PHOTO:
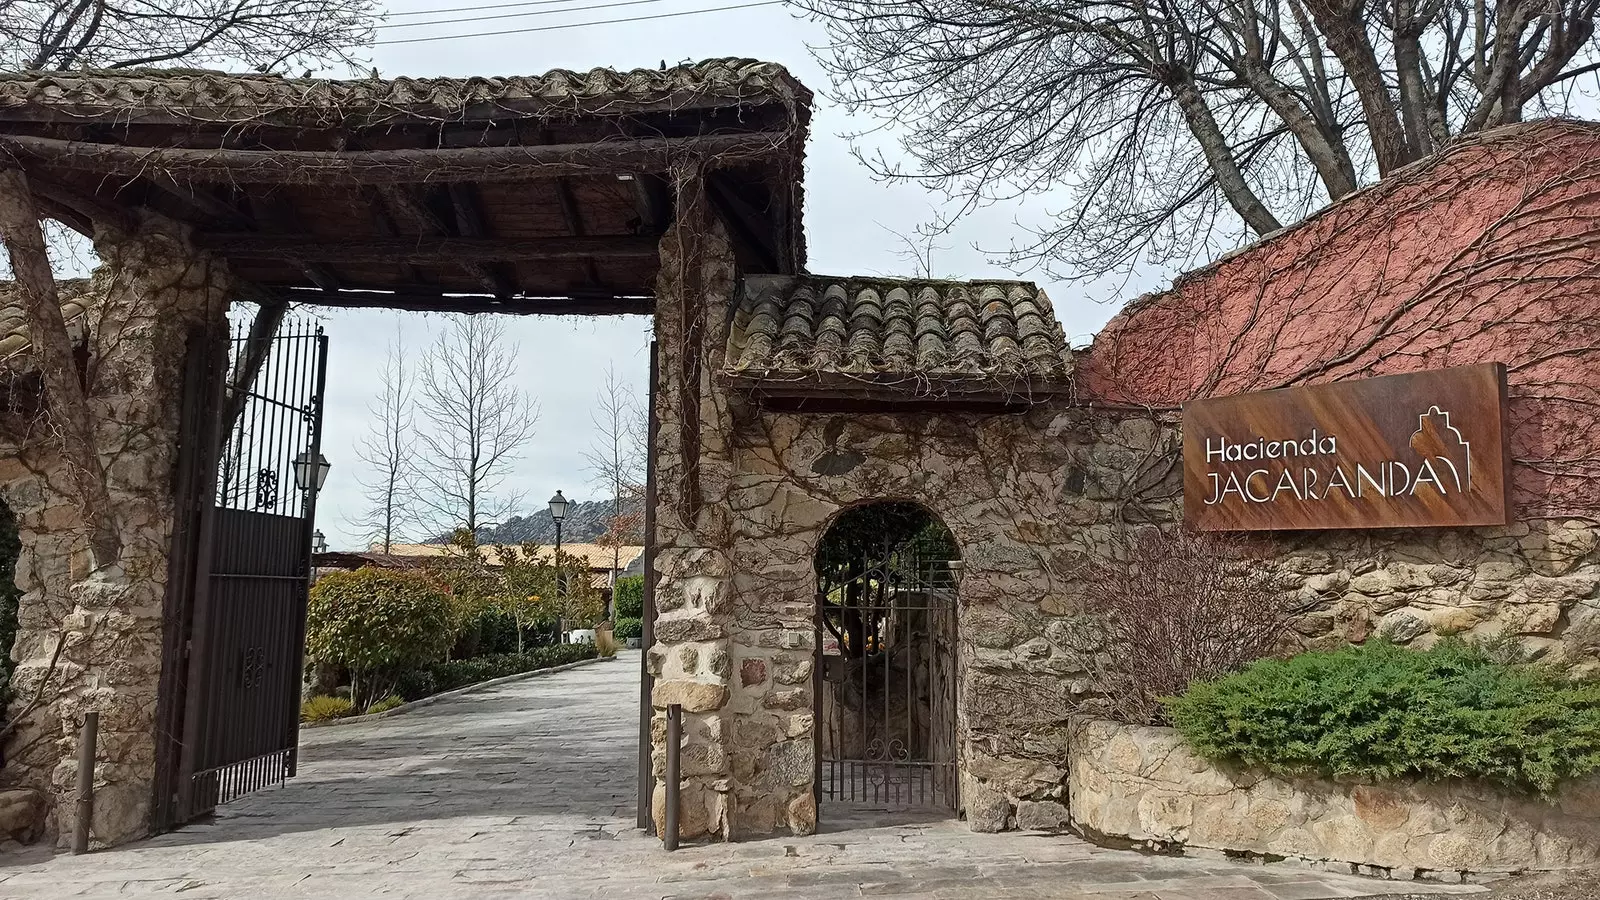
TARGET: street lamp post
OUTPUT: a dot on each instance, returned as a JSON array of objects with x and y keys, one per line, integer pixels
[{"x": 558, "y": 513}]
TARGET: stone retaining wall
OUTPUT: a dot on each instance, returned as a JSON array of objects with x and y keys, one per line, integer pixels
[{"x": 1144, "y": 785}]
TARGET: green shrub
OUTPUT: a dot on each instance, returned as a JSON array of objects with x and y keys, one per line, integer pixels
[
  {"x": 628, "y": 629},
  {"x": 462, "y": 672},
  {"x": 414, "y": 684},
  {"x": 386, "y": 704},
  {"x": 627, "y": 597},
  {"x": 323, "y": 709},
  {"x": 377, "y": 623},
  {"x": 1381, "y": 711}
]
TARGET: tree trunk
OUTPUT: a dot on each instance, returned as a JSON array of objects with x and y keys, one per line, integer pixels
[
  {"x": 1203, "y": 125},
  {"x": 1347, "y": 38},
  {"x": 1326, "y": 151},
  {"x": 52, "y": 351}
]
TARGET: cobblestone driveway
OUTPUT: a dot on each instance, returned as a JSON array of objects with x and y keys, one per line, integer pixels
[{"x": 526, "y": 791}]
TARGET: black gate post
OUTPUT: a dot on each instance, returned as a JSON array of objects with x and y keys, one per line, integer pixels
[
  {"x": 314, "y": 456},
  {"x": 647, "y": 637}
]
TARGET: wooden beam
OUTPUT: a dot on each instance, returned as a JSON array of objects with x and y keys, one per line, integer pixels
[
  {"x": 383, "y": 222},
  {"x": 652, "y": 198},
  {"x": 275, "y": 216},
  {"x": 89, "y": 210},
  {"x": 471, "y": 223},
  {"x": 744, "y": 221},
  {"x": 419, "y": 301},
  {"x": 404, "y": 202},
  {"x": 51, "y": 350},
  {"x": 408, "y": 166},
  {"x": 201, "y": 201},
  {"x": 433, "y": 250}
]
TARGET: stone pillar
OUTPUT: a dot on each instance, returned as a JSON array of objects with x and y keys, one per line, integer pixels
[
  {"x": 691, "y": 658},
  {"x": 92, "y": 639}
]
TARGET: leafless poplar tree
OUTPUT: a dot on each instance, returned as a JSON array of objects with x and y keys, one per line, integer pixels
[
  {"x": 267, "y": 35},
  {"x": 1180, "y": 128},
  {"x": 616, "y": 459},
  {"x": 389, "y": 451},
  {"x": 478, "y": 421}
]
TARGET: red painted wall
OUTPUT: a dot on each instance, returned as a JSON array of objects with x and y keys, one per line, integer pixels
[{"x": 1488, "y": 253}]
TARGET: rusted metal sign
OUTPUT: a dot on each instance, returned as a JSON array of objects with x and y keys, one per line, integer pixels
[{"x": 1398, "y": 451}]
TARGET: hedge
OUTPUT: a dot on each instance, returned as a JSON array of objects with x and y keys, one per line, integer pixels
[
  {"x": 1380, "y": 711},
  {"x": 447, "y": 676},
  {"x": 627, "y": 597},
  {"x": 627, "y": 629}
]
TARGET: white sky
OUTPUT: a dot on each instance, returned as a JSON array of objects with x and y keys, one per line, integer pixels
[{"x": 850, "y": 225}]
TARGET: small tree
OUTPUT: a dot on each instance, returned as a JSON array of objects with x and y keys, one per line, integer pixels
[
  {"x": 1167, "y": 608},
  {"x": 377, "y": 623},
  {"x": 390, "y": 453},
  {"x": 617, "y": 462},
  {"x": 527, "y": 591}
]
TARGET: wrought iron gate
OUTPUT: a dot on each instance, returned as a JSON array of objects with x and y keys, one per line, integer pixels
[
  {"x": 885, "y": 691},
  {"x": 233, "y": 697}
]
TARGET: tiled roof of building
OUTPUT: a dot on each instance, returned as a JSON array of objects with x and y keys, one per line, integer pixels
[
  {"x": 595, "y": 556},
  {"x": 203, "y": 95},
  {"x": 14, "y": 341},
  {"x": 999, "y": 333}
]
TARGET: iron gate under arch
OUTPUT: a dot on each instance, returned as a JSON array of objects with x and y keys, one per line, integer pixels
[
  {"x": 241, "y": 568},
  {"x": 885, "y": 688}
]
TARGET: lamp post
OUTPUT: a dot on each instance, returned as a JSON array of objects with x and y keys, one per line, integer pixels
[
  {"x": 319, "y": 542},
  {"x": 558, "y": 512}
]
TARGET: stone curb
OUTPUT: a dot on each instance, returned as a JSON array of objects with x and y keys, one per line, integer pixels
[{"x": 454, "y": 692}]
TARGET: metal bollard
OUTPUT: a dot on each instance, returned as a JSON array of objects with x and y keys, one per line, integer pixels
[
  {"x": 86, "y": 753},
  {"x": 674, "y": 745}
]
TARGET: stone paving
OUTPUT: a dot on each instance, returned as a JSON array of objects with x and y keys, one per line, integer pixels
[{"x": 526, "y": 790}]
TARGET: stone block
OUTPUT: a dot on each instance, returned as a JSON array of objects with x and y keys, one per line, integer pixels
[
  {"x": 1042, "y": 815},
  {"x": 803, "y": 814},
  {"x": 752, "y": 672},
  {"x": 988, "y": 810},
  {"x": 22, "y": 814},
  {"x": 693, "y": 696},
  {"x": 682, "y": 629}
]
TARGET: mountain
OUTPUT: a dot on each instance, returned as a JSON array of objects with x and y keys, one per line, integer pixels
[{"x": 585, "y": 522}]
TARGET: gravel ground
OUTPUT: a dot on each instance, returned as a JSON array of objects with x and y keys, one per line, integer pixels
[{"x": 1583, "y": 885}]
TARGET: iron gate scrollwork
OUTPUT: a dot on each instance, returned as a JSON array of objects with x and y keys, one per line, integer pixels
[
  {"x": 886, "y": 686},
  {"x": 233, "y": 700}
]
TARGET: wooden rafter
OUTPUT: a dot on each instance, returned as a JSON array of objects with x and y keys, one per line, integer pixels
[
  {"x": 275, "y": 216},
  {"x": 471, "y": 223},
  {"x": 430, "y": 250},
  {"x": 405, "y": 166},
  {"x": 419, "y": 301},
  {"x": 409, "y": 208}
]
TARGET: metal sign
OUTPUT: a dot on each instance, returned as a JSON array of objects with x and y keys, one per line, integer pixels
[{"x": 1398, "y": 451}]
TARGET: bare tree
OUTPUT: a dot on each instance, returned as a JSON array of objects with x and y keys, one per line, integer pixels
[
  {"x": 267, "y": 35},
  {"x": 478, "y": 421},
  {"x": 389, "y": 451},
  {"x": 616, "y": 460},
  {"x": 1180, "y": 128}
]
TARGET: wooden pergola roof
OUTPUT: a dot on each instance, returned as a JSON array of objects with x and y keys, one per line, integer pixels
[{"x": 541, "y": 194}]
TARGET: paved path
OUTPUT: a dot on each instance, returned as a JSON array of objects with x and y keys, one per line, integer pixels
[{"x": 526, "y": 791}]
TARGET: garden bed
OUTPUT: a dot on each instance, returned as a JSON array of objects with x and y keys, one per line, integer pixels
[{"x": 1142, "y": 784}]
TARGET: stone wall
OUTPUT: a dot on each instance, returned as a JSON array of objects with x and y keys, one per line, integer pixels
[
  {"x": 106, "y": 623},
  {"x": 1142, "y": 784}
]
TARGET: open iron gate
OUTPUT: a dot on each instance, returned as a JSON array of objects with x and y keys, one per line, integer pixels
[
  {"x": 885, "y": 686},
  {"x": 241, "y": 569}
]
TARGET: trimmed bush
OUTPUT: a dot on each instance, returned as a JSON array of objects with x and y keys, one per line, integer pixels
[
  {"x": 628, "y": 629},
  {"x": 462, "y": 672},
  {"x": 323, "y": 709},
  {"x": 415, "y": 684},
  {"x": 1379, "y": 711},
  {"x": 627, "y": 598},
  {"x": 377, "y": 623}
]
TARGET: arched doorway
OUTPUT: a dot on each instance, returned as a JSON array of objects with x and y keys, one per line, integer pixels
[{"x": 886, "y": 676}]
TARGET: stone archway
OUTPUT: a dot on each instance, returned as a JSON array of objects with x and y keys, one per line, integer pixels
[{"x": 885, "y": 686}]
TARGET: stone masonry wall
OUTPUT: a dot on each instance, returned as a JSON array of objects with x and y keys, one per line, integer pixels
[
  {"x": 106, "y": 623},
  {"x": 1143, "y": 784},
  {"x": 1026, "y": 496}
]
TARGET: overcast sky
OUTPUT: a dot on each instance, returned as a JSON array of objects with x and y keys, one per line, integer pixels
[{"x": 851, "y": 222}]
